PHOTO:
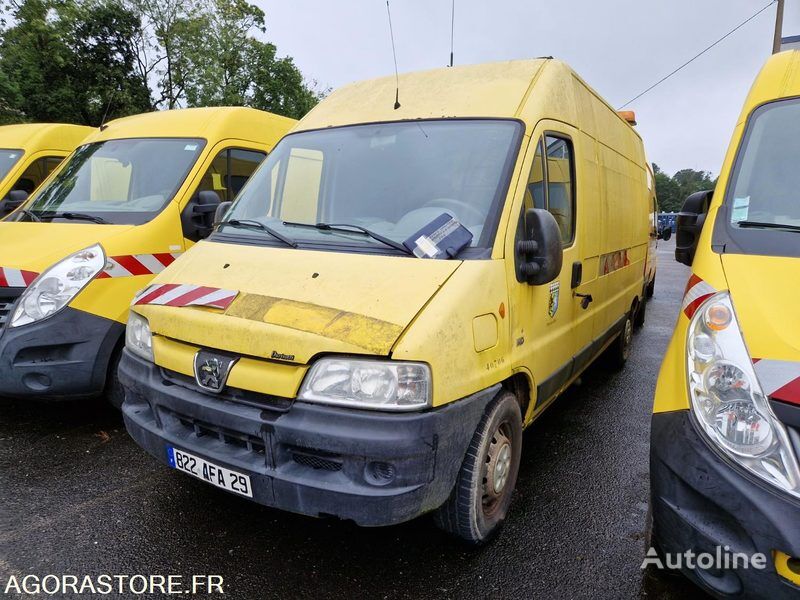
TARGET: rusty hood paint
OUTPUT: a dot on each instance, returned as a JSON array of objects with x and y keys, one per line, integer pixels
[{"x": 295, "y": 304}]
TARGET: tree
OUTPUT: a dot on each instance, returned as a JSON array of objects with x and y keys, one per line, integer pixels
[
  {"x": 205, "y": 53},
  {"x": 69, "y": 61},
  {"x": 672, "y": 191}
]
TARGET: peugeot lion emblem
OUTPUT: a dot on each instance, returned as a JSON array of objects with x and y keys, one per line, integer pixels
[{"x": 211, "y": 370}]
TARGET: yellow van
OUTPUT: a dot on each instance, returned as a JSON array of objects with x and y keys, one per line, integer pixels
[
  {"x": 128, "y": 202},
  {"x": 725, "y": 433},
  {"x": 312, "y": 356},
  {"x": 29, "y": 153}
]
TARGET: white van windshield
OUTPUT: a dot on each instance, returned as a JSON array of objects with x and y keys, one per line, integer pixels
[
  {"x": 8, "y": 158},
  {"x": 392, "y": 178},
  {"x": 118, "y": 181}
]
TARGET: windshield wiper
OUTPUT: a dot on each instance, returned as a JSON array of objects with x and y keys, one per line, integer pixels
[
  {"x": 26, "y": 213},
  {"x": 252, "y": 224},
  {"x": 73, "y": 216},
  {"x": 349, "y": 228},
  {"x": 758, "y": 224}
]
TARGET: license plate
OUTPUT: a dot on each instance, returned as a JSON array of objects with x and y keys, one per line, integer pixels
[{"x": 235, "y": 482}]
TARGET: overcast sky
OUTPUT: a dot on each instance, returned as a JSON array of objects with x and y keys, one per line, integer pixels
[{"x": 619, "y": 47}]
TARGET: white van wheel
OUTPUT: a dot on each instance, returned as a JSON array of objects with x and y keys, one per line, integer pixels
[{"x": 479, "y": 502}]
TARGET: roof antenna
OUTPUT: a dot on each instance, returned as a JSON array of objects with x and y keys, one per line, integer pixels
[
  {"x": 452, "y": 30},
  {"x": 394, "y": 53},
  {"x": 103, "y": 125}
]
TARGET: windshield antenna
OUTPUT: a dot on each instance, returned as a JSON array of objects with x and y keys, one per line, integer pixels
[
  {"x": 394, "y": 53},
  {"x": 452, "y": 30},
  {"x": 103, "y": 125}
]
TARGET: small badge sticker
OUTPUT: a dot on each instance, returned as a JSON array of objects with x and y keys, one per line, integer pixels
[{"x": 552, "y": 306}]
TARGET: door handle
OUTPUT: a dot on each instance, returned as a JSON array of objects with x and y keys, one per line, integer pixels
[{"x": 586, "y": 300}]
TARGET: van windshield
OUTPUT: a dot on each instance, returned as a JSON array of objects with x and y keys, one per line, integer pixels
[
  {"x": 391, "y": 178},
  {"x": 8, "y": 158},
  {"x": 761, "y": 209},
  {"x": 118, "y": 181}
]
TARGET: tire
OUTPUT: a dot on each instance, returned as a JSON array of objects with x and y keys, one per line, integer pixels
[
  {"x": 478, "y": 505},
  {"x": 115, "y": 393},
  {"x": 641, "y": 312},
  {"x": 651, "y": 288},
  {"x": 618, "y": 352}
]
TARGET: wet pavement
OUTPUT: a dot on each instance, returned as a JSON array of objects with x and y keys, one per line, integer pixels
[{"x": 78, "y": 496}]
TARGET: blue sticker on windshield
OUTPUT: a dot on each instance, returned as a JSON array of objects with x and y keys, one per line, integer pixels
[
  {"x": 741, "y": 208},
  {"x": 444, "y": 237}
]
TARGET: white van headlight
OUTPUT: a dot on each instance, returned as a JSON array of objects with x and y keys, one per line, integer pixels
[
  {"x": 385, "y": 385},
  {"x": 727, "y": 399},
  {"x": 56, "y": 287},
  {"x": 138, "y": 337}
]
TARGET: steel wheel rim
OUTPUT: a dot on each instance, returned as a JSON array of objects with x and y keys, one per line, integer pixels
[{"x": 497, "y": 468}]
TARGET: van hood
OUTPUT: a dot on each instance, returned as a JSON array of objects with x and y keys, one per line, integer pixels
[
  {"x": 292, "y": 305},
  {"x": 765, "y": 296},
  {"x": 37, "y": 246}
]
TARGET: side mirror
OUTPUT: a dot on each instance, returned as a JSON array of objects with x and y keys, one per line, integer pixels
[
  {"x": 538, "y": 250},
  {"x": 12, "y": 202},
  {"x": 690, "y": 224},
  {"x": 221, "y": 211},
  {"x": 197, "y": 219},
  {"x": 665, "y": 234}
]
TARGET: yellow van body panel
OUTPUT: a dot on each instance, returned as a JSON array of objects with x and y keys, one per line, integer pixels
[
  {"x": 470, "y": 320},
  {"x": 764, "y": 301},
  {"x": 38, "y": 140}
]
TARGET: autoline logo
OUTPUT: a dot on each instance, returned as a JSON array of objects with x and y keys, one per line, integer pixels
[{"x": 722, "y": 558}]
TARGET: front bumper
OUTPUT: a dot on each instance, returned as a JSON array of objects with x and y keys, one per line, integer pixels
[
  {"x": 64, "y": 356},
  {"x": 701, "y": 502},
  {"x": 306, "y": 458}
]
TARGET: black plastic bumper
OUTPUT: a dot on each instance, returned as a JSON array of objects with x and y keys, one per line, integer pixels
[
  {"x": 369, "y": 467},
  {"x": 701, "y": 502},
  {"x": 64, "y": 356}
]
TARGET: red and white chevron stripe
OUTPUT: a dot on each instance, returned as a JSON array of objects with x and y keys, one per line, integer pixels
[
  {"x": 779, "y": 379},
  {"x": 697, "y": 292},
  {"x": 173, "y": 294},
  {"x": 16, "y": 277},
  {"x": 136, "y": 264}
]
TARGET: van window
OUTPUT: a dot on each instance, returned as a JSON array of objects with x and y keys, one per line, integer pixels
[
  {"x": 392, "y": 178},
  {"x": 8, "y": 158},
  {"x": 534, "y": 195},
  {"x": 36, "y": 173},
  {"x": 126, "y": 181},
  {"x": 560, "y": 187},
  {"x": 229, "y": 171}
]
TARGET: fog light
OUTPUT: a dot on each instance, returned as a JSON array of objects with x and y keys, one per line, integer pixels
[{"x": 380, "y": 473}]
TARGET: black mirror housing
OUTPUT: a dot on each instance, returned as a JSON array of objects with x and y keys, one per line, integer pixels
[
  {"x": 12, "y": 202},
  {"x": 690, "y": 224},
  {"x": 539, "y": 253},
  {"x": 197, "y": 219}
]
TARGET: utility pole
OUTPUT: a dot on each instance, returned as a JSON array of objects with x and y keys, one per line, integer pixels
[{"x": 776, "y": 41}]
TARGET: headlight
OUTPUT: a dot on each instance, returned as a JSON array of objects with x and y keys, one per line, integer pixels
[
  {"x": 386, "y": 385},
  {"x": 138, "y": 338},
  {"x": 57, "y": 286},
  {"x": 727, "y": 400}
]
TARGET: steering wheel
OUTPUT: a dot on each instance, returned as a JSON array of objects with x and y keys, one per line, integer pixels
[{"x": 457, "y": 206}]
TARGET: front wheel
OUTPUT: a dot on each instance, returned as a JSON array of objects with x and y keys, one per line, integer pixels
[
  {"x": 618, "y": 352},
  {"x": 479, "y": 502}
]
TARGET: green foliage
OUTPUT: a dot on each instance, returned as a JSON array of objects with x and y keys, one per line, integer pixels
[
  {"x": 69, "y": 60},
  {"x": 672, "y": 191},
  {"x": 63, "y": 61}
]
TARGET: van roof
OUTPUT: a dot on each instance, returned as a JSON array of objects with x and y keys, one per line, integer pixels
[
  {"x": 499, "y": 89},
  {"x": 213, "y": 124},
  {"x": 46, "y": 136},
  {"x": 778, "y": 78}
]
